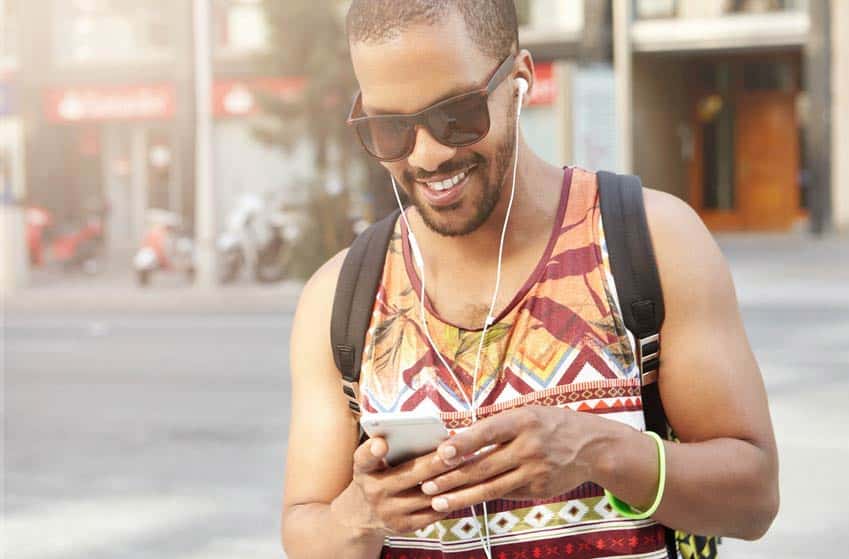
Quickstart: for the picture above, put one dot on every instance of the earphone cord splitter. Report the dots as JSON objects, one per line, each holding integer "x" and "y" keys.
{"x": 490, "y": 318}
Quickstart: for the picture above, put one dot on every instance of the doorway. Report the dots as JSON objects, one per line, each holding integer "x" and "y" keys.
{"x": 745, "y": 172}
{"x": 139, "y": 172}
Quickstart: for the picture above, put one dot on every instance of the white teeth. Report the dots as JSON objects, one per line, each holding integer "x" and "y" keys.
{"x": 447, "y": 183}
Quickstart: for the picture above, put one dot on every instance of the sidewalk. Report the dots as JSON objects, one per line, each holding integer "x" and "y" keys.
{"x": 114, "y": 289}
{"x": 791, "y": 270}
{"x": 779, "y": 269}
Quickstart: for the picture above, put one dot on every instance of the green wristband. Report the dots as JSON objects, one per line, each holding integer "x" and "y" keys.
{"x": 626, "y": 510}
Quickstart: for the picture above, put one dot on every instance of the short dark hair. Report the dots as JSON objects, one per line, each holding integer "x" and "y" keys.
{"x": 492, "y": 24}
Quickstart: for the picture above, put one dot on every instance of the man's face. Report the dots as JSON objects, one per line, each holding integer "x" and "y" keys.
{"x": 408, "y": 73}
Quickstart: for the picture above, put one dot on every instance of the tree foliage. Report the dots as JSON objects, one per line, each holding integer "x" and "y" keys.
{"x": 308, "y": 38}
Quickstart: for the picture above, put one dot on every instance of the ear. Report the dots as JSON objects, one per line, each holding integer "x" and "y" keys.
{"x": 524, "y": 68}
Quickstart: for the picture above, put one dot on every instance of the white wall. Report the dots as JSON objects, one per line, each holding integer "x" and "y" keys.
{"x": 594, "y": 133}
{"x": 14, "y": 261}
{"x": 244, "y": 164}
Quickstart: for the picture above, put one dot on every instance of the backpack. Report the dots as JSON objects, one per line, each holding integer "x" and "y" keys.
{"x": 638, "y": 286}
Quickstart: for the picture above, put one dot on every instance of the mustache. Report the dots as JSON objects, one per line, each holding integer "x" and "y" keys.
{"x": 447, "y": 168}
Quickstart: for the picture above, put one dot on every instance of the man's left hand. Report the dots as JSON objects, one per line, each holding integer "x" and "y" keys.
{"x": 532, "y": 452}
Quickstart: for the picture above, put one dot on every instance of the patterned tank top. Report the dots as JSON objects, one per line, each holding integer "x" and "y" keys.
{"x": 561, "y": 341}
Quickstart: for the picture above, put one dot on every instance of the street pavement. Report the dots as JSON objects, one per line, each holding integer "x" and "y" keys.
{"x": 158, "y": 428}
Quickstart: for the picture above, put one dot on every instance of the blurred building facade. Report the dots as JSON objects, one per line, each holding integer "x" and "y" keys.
{"x": 13, "y": 257}
{"x": 571, "y": 114}
{"x": 740, "y": 107}
{"x": 728, "y": 105}
{"x": 108, "y": 98}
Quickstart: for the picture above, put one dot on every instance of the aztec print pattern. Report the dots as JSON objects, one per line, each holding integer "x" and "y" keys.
{"x": 560, "y": 342}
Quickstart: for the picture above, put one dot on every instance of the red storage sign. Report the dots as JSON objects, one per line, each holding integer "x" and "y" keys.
{"x": 87, "y": 103}
{"x": 545, "y": 88}
{"x": 238, "y": 97}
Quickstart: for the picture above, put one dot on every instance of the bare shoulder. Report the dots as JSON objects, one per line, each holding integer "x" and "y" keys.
{"x": 315, "y": 304}
{"x": 321, "y": 286}
{"x": 688, "y": 258}
{"x": 674, "y": 223}
{"x": 310, "y": 349}
{"x": 702, "y": 316}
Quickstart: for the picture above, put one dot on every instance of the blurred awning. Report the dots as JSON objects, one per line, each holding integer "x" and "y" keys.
{"x": 736, "y": 32}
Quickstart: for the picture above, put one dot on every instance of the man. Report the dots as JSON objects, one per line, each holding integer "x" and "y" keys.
{"x": 555, "y": 305}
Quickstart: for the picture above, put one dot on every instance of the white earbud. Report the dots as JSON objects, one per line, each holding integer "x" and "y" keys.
{"x": 523, "y": 86}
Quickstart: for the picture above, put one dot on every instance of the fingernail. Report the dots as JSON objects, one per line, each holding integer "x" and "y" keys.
{"x": 430, "y": 488}
{"x": 439, "y": 504}
{"x": 375, "y": 451}
{"x": 449, "y": 452}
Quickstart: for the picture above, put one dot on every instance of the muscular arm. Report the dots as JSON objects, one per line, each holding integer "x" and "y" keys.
{"x": 322, "y": 436}
{"x": 723, "y": 477}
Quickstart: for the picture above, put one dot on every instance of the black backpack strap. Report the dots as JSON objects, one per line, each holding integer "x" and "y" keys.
{"x": 634, "y": 269}
{"x": 354, "y": 301}
{"x": 637, "y": 282}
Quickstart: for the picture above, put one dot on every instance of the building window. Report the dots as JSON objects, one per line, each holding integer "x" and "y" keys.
{"x": 561, "y": 15}
{"x": 716, "y": 114}
{"x": 98, "y": 31}
{"x": 655, "y": 9}
{"x": 762, "y": 6}
{"x": 241, "y": 27}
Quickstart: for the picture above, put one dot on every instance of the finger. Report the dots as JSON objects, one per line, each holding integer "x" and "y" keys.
{"x": 419, "y": 520}
{"x": 369, "y": 456}
{"x": 413, "y": 473}
{"x": 408, "y": 502}
{"x": 492, "y": 489}
{"x": 473, "y": 471}
{"x": 496, "y": 429}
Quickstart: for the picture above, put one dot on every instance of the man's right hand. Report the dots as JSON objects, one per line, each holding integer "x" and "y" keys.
{"x": 388, "y": 500}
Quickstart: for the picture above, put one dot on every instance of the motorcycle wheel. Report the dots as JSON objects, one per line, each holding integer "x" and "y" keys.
{"x": 273, "y": 262}
{"x": 143, "y": 277}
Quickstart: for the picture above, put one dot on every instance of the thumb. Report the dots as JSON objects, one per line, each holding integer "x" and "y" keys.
{"x": 369, "y": 455}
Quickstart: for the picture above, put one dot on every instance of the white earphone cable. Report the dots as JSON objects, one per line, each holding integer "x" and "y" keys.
{"x": 419, "y": 262}
{"x": 490, "y": 318}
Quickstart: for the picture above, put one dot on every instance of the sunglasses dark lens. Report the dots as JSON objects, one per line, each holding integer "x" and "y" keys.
{"x": 461, "y": 122}
{"x": 386, "y": 138}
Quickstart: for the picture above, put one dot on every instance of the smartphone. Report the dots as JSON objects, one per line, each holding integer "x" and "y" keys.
{"x": 408, "y": 435}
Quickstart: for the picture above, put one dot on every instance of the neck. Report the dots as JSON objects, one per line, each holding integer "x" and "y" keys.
{"x": 538, "y": 188}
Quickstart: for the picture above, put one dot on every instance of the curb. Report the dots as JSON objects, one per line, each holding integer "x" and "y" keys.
{"x": 278, "y": 299}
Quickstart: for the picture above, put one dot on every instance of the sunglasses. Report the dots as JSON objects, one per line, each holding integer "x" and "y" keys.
{"x": 458, "y": 121}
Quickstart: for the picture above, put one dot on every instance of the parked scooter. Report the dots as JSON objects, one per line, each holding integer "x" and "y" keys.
{"x": 165, "y": 247}
{"x": 259, "y": 237}
{"x": 72, "y": 245}
{"x": 38, "y": 221}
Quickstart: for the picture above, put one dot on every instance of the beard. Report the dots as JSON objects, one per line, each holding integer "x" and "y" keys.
{"x": 491, "y": 176}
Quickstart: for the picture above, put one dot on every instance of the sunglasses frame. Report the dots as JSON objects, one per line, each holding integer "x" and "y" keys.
{"x": 355, "y": 116}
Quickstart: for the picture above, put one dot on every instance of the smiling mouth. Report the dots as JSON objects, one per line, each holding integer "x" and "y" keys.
{"x": 443, "y": 185}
